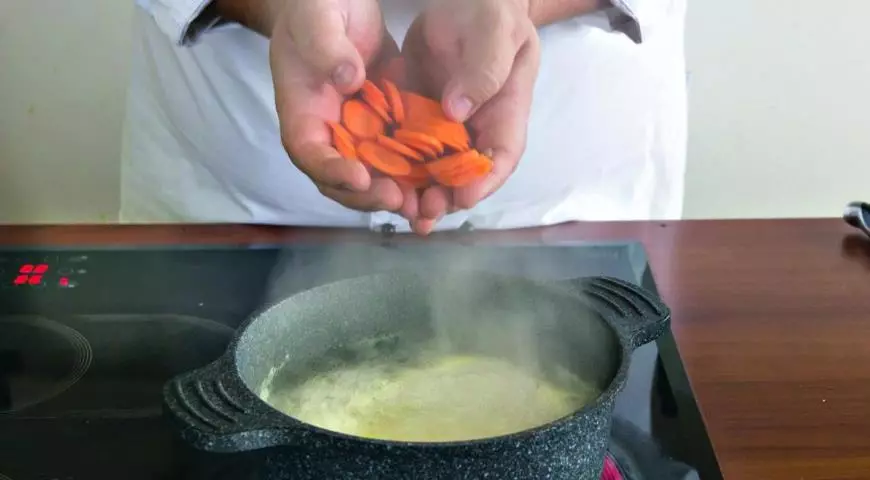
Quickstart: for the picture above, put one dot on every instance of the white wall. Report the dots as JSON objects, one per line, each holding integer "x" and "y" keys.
{"x": 780, "y": 108}
{"x": 63, "y": 73}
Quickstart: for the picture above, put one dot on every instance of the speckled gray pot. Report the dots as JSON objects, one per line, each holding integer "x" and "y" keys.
{"x": 588, "y": 325}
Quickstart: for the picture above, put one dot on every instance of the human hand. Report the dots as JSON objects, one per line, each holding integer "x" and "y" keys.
{"x": 481, "y": 58}
{"x": 322, "y": 51}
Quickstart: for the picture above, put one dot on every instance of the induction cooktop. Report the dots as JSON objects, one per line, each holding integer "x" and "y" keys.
{"x": 89, "y": 336}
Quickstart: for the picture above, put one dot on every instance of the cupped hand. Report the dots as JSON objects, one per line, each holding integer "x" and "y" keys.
{"x": 481, "y": 58}
{"x": 322, "y": 51}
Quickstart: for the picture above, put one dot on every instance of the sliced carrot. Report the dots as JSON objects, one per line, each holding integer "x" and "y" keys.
{"x": 404, "y": 136}
{"x": 453, "y": 163}
{"x": 425, "y": 150}
{"x": 338, "y": 130}
{"x": 469, "y": 176}
{"x": 382, "y": 112}
{"x": 361, "y": 121}
{"x": 418, "y": 178}
{"x": 343, "y": 141}
{"x": 451, "y": 134}
{"x": 399, "y": 148}
{"x": 426, "y": 116}
{"x": 373, "y": 95}
{"x": 345, "y": 148}
{"x": 394, "y": 98}
{"x": 383, "y": 159}
{"x": 460, "y": 169}
{"x": 422, "y": 110}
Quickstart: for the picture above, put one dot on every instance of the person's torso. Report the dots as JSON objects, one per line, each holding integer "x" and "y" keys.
{"x": 606, "y": 134}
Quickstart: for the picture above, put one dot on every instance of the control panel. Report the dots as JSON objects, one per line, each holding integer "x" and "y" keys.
{"x": 206, "y": 282}
{"x": 40, "y": 270}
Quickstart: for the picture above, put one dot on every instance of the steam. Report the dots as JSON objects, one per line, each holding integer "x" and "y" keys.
{"x": 492, "y": 363}
{"x": 465, "y": 314}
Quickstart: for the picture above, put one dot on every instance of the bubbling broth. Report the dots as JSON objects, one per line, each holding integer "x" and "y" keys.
{"x": 431, "y": 397}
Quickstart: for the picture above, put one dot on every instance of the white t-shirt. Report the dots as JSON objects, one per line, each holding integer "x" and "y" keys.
{"x": 607, "y": 134}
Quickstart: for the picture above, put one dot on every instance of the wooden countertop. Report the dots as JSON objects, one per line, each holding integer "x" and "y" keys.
{"x": 772, "y": 320}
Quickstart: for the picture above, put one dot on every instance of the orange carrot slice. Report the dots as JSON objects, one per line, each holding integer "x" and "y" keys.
{"x": 418, "y": 178}
{"x": 468, "y": 176}
{"x": 426, "y": 116}
{"x": 383, "y": 159}
{"x": 451, "y": 134}
{"x": 361, "y": 121}
{"x": 425, "y": 150}
{"x": 382, "y": 112}
{"x": 343, "y": 141}
{"x": 422, "y": 110}
{"x": 405, "y": 136}
{"x": 460, "y": 169}
{"x": 338, "y": 130}
{"x": 397, "y": 147}
{"x": 346, "y": 149}
{"x": 373, "y": 95}
{"x": 453, "y": 163}
{"x": 394, "y": 98}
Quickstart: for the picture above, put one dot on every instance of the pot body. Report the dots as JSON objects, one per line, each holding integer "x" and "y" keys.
{"x": 588, "y": 327}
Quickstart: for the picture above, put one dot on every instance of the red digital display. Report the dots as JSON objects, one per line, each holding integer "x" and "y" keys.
{"x": 63, "y": 282}
{"x": 30, "y": 274}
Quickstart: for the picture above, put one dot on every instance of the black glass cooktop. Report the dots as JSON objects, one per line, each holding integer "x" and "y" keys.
{"x": 88, "y": 337}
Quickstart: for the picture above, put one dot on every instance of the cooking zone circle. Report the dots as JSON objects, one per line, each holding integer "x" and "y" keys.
{"x": 39, "y": 359}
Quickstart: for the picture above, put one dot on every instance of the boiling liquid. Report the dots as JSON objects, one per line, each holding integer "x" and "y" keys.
{"x": 436, "y": 399}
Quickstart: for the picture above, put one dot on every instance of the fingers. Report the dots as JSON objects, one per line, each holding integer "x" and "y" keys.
{"x": 434, "y": 203}
{"x": 423, "y": 226}
{"x": 486, "y": 63}
{"x": 410, "y": 202}
{"x": 345, "y": 181}
{"x": 502, "y": 127}
{"x": 307, "y": 141}
{"x": 320, "y": 33}
{"x": 318, "y": 43}
{"x": 384, "y": 195}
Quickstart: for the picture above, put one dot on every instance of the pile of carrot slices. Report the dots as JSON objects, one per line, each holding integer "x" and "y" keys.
{"x": 408, "y": 137}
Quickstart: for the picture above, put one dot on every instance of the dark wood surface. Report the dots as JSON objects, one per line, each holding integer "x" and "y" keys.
{"x": 772, "y": 319}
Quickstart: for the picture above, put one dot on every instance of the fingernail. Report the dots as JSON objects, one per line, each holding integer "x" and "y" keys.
{"x": 461, "y": 108}
{"x": 344, "y": 75}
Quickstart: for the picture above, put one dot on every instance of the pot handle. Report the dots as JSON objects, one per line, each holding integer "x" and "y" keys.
{"x": 216, "y": 412}
{"x": 637, "y": 313}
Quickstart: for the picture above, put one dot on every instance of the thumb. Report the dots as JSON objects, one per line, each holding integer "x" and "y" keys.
{"x": 484, "y": 68}
{"x": 319, "y": 33}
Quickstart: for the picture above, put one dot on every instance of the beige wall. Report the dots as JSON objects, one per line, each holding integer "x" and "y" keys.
{"x": 63, "y": 71}
{"x": 780, "y": 108}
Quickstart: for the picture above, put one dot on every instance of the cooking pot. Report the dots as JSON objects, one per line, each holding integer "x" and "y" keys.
{"x": 589, "y": 326}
